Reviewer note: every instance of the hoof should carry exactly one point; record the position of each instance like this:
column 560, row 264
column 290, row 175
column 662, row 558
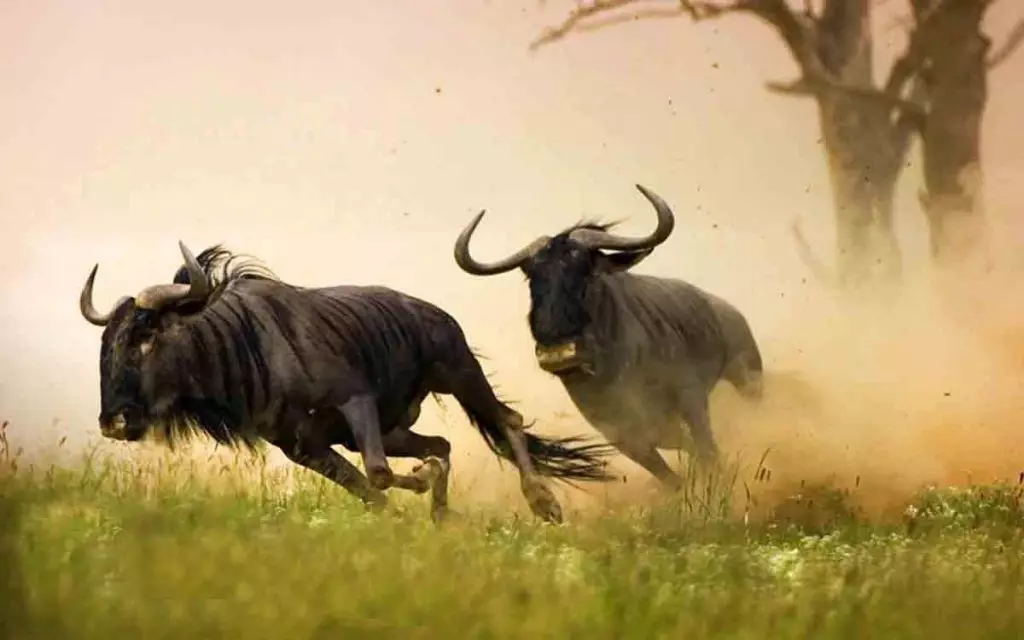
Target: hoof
column 543, row 503
column 425, row 475
column 431, row 469
column 381, row 477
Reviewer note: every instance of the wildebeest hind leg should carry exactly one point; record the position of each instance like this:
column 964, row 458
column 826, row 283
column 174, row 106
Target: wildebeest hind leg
column 647, row 456
column 432, row 473
column 745, row 374
column 463, row 378
column 331, row 465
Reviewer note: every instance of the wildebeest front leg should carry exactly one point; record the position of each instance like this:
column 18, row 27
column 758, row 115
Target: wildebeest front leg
column 694, row 407
column 646, row 455
column 431, row 473
column 361, row 414
column 334, row 467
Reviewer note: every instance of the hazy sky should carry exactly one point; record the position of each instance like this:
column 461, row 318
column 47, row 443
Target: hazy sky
column 351, row 141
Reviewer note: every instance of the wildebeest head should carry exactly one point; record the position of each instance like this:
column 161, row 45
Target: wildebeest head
column 131, row 335
column 560, row 270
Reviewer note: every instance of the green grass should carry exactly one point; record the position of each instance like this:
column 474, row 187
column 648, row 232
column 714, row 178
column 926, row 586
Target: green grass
column 158, row 550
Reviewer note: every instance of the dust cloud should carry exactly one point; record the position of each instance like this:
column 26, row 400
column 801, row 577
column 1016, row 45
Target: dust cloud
column 353, row 146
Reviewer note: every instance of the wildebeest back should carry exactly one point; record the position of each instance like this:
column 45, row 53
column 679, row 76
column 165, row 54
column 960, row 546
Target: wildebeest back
column 319, row 346
column 658, row 319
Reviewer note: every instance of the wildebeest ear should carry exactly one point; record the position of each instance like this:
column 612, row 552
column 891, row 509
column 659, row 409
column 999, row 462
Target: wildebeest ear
column 623, row 260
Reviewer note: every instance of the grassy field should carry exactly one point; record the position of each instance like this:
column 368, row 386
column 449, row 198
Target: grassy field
column 151, row 550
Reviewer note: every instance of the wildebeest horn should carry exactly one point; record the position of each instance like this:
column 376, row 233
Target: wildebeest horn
column 471, row 266
column 85, row 305
column 160, row 295
column 603, row 240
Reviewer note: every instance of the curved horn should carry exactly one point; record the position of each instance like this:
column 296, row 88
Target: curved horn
column 85, row 305
column 199, row 281
column 471, row 266
column 159, row 296
column 603, row 240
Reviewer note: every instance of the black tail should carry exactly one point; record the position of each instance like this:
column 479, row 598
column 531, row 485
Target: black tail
column 566, row 459
column 570, row 458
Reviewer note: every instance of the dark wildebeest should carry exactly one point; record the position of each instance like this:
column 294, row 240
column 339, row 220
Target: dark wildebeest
column 637, row 354
column 232, row 351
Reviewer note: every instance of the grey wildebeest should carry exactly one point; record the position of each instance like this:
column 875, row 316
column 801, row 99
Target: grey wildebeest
column 232, row 351
column 638, row 355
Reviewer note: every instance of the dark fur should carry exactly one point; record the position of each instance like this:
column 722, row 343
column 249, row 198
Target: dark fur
column 655, row 347
column 264, row 351
column 558, row 277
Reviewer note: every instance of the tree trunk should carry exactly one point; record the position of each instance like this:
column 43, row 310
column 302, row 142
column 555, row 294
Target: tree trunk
column 863, row 185
column 863, row 157
column 956, row 90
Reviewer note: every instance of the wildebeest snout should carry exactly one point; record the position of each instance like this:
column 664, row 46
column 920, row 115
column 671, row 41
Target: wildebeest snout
column 115, row 428
column 118, row 427
column 563, row 358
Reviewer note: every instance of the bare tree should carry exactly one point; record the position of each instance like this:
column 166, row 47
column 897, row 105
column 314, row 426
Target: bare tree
column 936, row 89
column 953, row 58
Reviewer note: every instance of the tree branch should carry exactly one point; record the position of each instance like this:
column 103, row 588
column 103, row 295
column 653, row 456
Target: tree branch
column 910, row 63
column 796, row 30
column 798, row 87
column 907, row 124
column 596, row 24
column 818, row 270
column 905, row 68
column 811, row 85
column 577, row 20
column 1010, row 47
